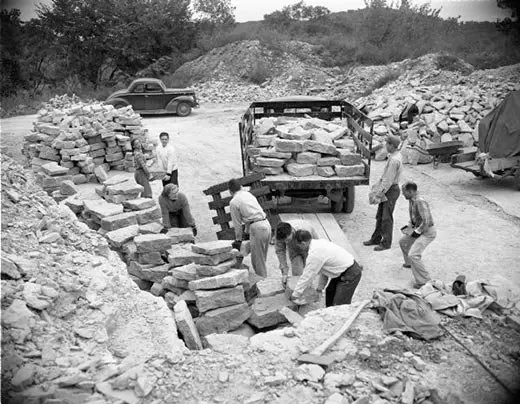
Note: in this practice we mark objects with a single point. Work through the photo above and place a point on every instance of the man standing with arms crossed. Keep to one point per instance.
(245, 210)
(389, 183)
(419, 233)
(167, 160)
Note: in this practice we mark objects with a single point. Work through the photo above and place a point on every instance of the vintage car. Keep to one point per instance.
(150, 96)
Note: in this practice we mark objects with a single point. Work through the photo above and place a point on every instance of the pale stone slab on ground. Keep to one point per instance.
(181, 235)
(151, 228)
(53, 169)
(227, 343)
(148, 272)
(350, 171)
(223, 319)
(229, 279)
(118, 221)
(139, 203)
(99, 171)
(185, 272)
(187, 326)
(120, 236)
(212, 247)
(101, 208)
(301, 170)
(270, 287)
(214, 270)
(214, 299)
(149, 215)
(266, 310)
(152, 242)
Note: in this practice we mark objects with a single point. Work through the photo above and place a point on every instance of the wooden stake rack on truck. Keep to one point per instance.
(308, 146)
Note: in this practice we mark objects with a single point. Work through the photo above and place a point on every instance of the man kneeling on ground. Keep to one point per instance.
(286, 243)
(332, 262)
(176, 209)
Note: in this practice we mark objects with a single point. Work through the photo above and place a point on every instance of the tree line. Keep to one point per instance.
(93, 43)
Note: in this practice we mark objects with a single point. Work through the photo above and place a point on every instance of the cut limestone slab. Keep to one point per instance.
(282, 145)
(101, 208)
(214, 270)
(179, 256)
(301, 170)
(76, 205)
(187, 326)
(308, 158)
(271, 152)
(174, 284)
(212, 247)
(266, 310)
(328, 161)
(214, 299)
(120, 236)
(139, 203)
(350, 171)
(320, 147)
(265, 140)
(229, 279)
(53, 169)
(157, 289)
(149, 215)
(152, 242)
(148, 272)
(181, 235)
(150, 228)
(349, 158)
(223, 319)
(118, 221)
(269, 162)
(150, 258)
(99, 171)
(227, 343)
(68, 188)
(309, 295)
(185, 272)
(270, 287)
(325, 171)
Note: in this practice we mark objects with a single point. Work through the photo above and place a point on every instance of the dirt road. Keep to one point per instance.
(478, 221)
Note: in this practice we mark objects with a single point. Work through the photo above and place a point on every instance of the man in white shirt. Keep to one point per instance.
(286, 243)
(246, 211)
(167, 160)
(329, 261)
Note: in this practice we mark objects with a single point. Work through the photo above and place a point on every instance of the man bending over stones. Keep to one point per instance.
(333, 264)
(176, 209)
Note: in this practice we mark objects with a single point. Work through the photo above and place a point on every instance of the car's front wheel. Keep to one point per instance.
(183, 109)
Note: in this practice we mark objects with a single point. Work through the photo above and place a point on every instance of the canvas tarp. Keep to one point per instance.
(499, 131)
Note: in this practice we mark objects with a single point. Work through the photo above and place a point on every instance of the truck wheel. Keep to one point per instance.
(349, 199)
(183, 109)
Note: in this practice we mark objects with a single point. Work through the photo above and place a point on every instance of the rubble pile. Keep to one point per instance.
(74, 327)
(303, 147)
(75, 138)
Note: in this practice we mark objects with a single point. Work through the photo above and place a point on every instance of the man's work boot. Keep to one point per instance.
(369, 243)
(381, 247)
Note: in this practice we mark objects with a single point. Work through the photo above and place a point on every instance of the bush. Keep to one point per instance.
(389, 76)
(448, 62)
(260, 73)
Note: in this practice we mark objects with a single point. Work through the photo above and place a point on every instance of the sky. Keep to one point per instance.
(252, 10)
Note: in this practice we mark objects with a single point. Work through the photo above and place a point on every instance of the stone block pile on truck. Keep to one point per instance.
(307, 147)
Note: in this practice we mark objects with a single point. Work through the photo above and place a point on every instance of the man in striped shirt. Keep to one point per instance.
(419, 233)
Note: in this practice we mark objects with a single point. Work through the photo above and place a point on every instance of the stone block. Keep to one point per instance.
(139, 204)
(271, 152)
(174, 284)
(118, 237)
(265, 310)
(270, 287)
(101, 208)
(150, 228)
(95, 140)
(226, 280)
(350, 171)
(148, 272)
(309, 294)
(296, 135)
(212, 247)
(157, 289)
(53, 169)
(179, 256)
(68, 188)
(301, 170)
(152, 242)
(100, 174)
(349, 158)
(186, 326)
(97, 153)
(223, 319)
(124, 188)
(325, 171)
(227, 343)
(268, 170)
(114, 157)
(214, 299)
(308, 158)
(76, 205)
(293, 146)
(320, 147)
(181, 235)
(97, 146)
(80, 157)
(185, 272)
(214, 270)
(265, 140)
(149, 215)
(328, 161)
(79, 179)
(149, 258)
(115, 222)
(269, 162)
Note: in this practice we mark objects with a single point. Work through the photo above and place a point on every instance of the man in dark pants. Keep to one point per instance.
(330, 261)
(176, 209)
(167, 160)
(389, 183)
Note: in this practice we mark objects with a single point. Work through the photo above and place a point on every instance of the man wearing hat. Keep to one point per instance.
(176, 209)
(389, 185)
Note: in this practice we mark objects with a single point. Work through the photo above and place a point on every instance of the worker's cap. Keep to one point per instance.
(393, 140)
(171, 190)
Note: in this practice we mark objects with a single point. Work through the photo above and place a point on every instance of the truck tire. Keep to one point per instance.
(183, 109)
(349, 199)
